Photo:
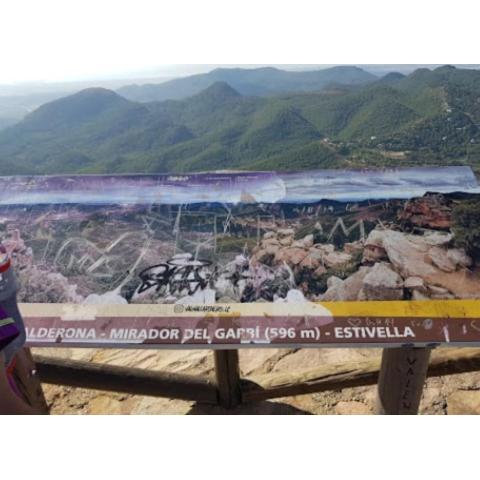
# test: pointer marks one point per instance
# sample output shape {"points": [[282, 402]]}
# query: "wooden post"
{"points": [[28, 381], [401, 379], [227, 374]]}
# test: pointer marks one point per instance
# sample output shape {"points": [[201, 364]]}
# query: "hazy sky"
{"points": [[71, 40], [53, 40]]}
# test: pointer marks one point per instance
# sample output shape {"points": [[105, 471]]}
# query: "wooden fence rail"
{"points": [[230, 389], [446, 361], [125, 380]]}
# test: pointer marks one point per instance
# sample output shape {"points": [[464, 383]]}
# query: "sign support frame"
{"points": [[227, 374], [401, 380], [28, 381]]}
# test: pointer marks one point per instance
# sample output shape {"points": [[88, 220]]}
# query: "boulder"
{"points": [[317, 254], [418, 295], [271, 249], [298, 244], [373, 254], [308, 241], [439, 293], [286, 241], [335, 259], [265, 255], [293, 296], [438, 256], [345, 290], [200, 297], [353, 247], [375, 238], [408, 255], [414, 283], [373, 250], [382, 283], [324, 248], [459, 258], [305, 242], [320, 271], [310, 262], [437, 239], [286, 232], [108, 298], [291, 256], [333, 281], [270, 241]]}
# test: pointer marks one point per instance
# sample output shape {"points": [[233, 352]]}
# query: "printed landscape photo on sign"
{"points": [[332, 257]]}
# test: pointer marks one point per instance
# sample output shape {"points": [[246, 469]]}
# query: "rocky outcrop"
{"points": [[244, 280], [407, 255], [302, 256], [429, 211], [427, 257], [396, 265], [39, 286]]}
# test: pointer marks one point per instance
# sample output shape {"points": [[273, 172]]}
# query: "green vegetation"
{"points": [[426, 118], [466, 227]]}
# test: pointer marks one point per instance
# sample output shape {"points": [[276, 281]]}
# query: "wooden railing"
{"points": [[400, 377]]}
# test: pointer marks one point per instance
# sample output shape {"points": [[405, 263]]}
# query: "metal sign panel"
{"points": [[247, 259]]}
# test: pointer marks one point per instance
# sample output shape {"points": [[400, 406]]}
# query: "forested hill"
{"points": [[427, 117], [264, 81]]}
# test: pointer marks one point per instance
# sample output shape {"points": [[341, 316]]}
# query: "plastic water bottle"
{"points": [[8, 303]]}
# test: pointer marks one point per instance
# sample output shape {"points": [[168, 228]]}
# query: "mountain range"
{"points": [[255, 81], [428, 117]]}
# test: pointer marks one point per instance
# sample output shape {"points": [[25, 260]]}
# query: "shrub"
{"points": [[466, 227]]}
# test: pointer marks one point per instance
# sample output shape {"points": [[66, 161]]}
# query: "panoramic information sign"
{"points": [[328, 257]]}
